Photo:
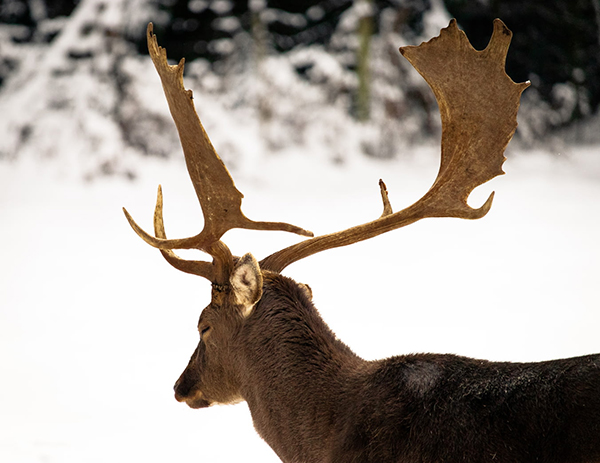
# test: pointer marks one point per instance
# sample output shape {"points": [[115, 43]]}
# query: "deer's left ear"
{"points": [[246, 281]]}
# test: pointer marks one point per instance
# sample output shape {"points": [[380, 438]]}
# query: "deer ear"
{"points": [[307, 290], [246, 281]]}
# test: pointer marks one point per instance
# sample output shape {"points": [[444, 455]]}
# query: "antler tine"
{"points": [[478, 104], [387, 206], [195, 267], [200, 268]]}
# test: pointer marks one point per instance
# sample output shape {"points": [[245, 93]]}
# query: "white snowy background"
{"points": [[95, 327]]}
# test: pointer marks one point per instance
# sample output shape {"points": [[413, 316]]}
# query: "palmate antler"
{"points": [[478, 105]]}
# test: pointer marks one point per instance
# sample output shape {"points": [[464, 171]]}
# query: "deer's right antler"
{"points": [[478, 103]]}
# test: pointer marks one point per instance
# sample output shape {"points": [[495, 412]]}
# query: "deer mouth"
{"points": [[195, 401]]}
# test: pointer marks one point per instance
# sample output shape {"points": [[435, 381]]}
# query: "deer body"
{"points": [[296, 380], [311, 398]]}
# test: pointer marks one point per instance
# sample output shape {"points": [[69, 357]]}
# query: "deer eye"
{"points": [[203, 331]]}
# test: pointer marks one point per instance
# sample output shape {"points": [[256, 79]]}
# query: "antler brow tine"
{"points": [[200, 268]]}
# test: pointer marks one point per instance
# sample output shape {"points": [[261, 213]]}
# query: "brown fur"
{"points": [[313, 400]]}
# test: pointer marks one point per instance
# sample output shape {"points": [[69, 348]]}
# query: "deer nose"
{"points": [[194, 399], [182, 388], [178, 396]]}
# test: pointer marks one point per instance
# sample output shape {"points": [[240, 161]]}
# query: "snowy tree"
{"points": [[76, 74], [82, 89]]}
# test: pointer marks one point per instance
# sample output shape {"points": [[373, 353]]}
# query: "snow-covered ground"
{"points": [[95, 327]]}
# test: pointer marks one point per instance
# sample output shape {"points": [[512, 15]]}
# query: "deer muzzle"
{"points": [[194, 400], [185, 391]]}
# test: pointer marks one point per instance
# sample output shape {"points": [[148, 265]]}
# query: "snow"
{"points": [[95, 327]]}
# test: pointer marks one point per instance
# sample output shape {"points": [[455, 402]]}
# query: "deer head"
{"points": [[212, 375], [478, 105]]}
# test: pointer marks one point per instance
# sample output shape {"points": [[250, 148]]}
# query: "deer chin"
{"points": [[198, 403]]}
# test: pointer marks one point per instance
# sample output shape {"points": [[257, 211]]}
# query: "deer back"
{"points": [[439, 407]]}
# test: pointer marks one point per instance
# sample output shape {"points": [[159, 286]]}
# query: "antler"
{"points": [[478, 103], [219, 198]]}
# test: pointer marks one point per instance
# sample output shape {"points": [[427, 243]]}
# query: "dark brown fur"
{"points": [[313, 400]]}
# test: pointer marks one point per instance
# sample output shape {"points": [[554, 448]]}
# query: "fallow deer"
{"points": [[311, 398]]}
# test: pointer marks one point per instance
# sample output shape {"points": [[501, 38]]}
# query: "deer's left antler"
{"points": [[219, 198]]}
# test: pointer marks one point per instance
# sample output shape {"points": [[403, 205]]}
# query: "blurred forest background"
{"points": [[75, 80], [308, 103]]}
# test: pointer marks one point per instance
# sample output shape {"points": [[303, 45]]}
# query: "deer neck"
{"points": [[295, 372]]}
